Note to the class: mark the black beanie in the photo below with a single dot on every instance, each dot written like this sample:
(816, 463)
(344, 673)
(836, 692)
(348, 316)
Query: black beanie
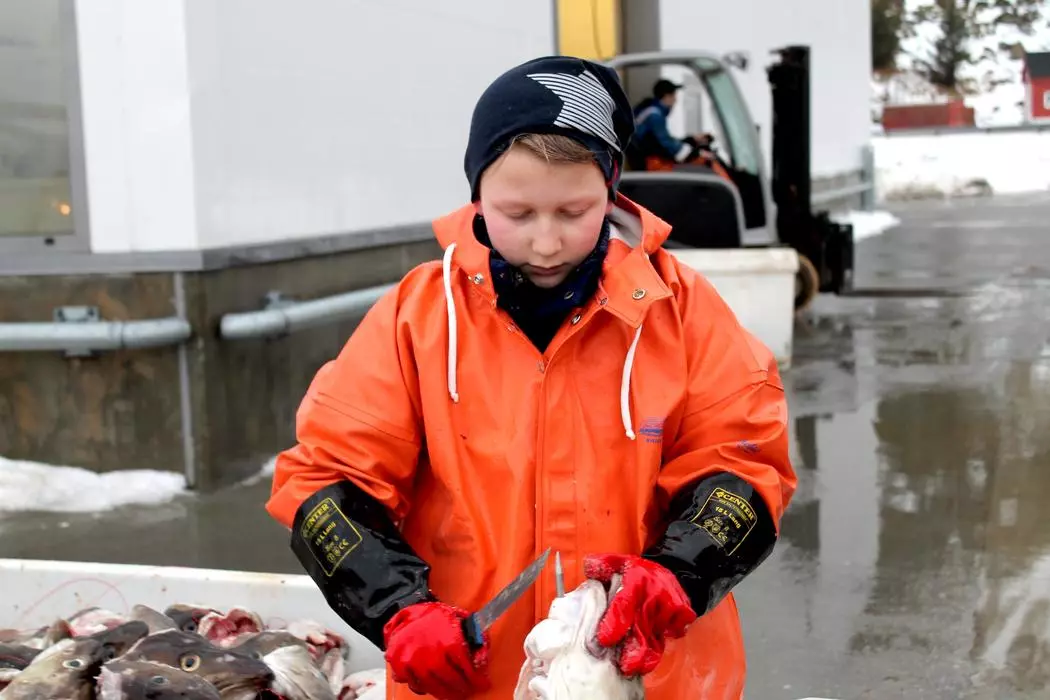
(552, 95)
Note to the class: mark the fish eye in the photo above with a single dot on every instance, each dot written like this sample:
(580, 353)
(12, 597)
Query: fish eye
(158, 680)
(190, 662)
(108, 653)
(190, 626)
(73, 663)
(257, 655)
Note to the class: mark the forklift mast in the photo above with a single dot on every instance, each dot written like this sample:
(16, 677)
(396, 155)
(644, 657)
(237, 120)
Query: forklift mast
(828, 245)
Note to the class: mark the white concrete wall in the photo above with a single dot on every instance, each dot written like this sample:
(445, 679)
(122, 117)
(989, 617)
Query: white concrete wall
(838, 33)
(329, 116)
(211, 124)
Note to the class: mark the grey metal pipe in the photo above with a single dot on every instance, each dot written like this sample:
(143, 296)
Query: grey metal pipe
(841, 192)
(93, 336)
(293, 316)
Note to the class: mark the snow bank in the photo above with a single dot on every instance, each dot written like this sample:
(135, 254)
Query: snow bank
(26, 486)
(960, 164)
(867, 223)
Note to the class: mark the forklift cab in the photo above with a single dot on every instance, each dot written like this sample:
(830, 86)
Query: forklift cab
(738, 204)
(735, 200)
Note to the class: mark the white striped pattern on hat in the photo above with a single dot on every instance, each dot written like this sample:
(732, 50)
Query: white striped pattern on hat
(586, 105)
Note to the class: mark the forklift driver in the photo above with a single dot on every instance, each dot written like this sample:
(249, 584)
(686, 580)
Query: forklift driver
(653, 140)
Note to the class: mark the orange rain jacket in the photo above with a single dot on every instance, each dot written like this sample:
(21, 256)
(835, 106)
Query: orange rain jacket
(487, 451)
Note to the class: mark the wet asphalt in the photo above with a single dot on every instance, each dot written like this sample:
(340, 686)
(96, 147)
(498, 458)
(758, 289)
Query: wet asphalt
(915, 557)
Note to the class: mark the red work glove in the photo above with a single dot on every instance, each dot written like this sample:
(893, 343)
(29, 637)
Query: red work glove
(650, 608)
(427, 651)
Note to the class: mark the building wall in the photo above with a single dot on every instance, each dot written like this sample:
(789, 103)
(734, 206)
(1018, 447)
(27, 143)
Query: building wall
(214, 124)
(340, 116)
(138, 139)
(1039, 99)
(839, 36)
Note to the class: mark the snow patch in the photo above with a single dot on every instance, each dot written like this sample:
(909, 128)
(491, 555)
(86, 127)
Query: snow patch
(961, 164)
(33, 486)
(265, 472)
(867, 223)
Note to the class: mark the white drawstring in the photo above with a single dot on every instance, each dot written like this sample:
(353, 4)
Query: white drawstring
(625, 386)
(628, 364)
(446, 273)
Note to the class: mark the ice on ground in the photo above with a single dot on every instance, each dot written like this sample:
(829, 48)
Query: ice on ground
(33, 486)
(867, 223)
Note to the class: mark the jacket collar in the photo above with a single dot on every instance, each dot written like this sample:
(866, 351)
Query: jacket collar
(630, 283)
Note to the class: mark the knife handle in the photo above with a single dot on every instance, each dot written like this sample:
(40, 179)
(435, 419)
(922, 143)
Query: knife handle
(472, 631)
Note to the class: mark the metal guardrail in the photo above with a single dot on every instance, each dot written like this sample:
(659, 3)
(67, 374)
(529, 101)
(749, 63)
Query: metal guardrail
(79, 331)
(283, 316)
(842, 192)
(87, 336)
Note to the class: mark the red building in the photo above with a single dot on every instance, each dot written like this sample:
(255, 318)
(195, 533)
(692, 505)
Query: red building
(1037, 86)
(945, 115)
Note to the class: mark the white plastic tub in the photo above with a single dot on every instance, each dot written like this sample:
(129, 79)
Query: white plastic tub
(759, 286)
(36, 593)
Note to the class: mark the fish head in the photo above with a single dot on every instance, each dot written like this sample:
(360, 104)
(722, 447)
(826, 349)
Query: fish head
(228, 670)
(157, 621)
(116, 641)
(297, 677)
(64, 670)
(121, 679)
(188, 617)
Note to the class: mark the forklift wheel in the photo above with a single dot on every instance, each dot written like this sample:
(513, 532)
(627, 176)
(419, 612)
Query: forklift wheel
(807, 283)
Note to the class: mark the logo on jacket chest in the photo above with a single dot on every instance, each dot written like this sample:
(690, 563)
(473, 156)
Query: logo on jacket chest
(652, 430)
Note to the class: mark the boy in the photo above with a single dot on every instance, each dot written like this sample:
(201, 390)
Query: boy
(558, 380)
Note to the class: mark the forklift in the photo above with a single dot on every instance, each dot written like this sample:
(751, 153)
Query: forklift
(727, 200)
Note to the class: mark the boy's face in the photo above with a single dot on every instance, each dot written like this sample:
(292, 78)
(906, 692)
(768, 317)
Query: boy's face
(544, 218)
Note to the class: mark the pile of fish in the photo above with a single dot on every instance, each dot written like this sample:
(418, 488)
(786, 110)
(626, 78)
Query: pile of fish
(185, 652)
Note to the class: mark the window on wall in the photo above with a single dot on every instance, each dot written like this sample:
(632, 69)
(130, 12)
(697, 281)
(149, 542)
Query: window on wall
(35, 195)
(1046, 99)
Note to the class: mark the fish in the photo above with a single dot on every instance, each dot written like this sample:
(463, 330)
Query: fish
(187, 617)
(68, 668)
(157, 622)
(259, 645)
(92, 620)
(144, 680)
(14, 658)
(329, 650)
(296, 676)
(563, 659)
(365, 685)
(41, 638)
(225, 630)
(236, 676)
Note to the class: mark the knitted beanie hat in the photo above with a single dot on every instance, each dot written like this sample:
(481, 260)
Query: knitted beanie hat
(552, 95)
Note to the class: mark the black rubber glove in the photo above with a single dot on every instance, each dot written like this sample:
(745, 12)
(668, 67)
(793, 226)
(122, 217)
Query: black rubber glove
(720, 531)
(350, 547)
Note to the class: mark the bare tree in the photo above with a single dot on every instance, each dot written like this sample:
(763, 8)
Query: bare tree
(887, 19)
(959, 22)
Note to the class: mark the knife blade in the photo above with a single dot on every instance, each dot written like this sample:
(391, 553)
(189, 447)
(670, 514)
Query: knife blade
(475, 625)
